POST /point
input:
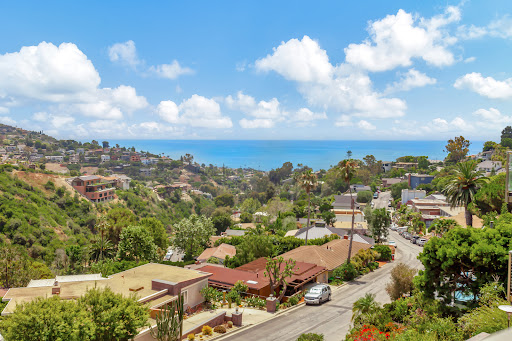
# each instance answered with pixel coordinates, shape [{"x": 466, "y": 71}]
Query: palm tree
[
  {"x": 347, "y": 169},
  {"x": 364, "y": 305},
  {"x": 307, "y": 181},
  {"x": 461, "y": 189}
]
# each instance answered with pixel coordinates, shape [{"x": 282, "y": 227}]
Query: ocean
[{"x": 270, "y": 154}]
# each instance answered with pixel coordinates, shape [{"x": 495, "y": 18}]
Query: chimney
[{"x": 345, "y": 237}]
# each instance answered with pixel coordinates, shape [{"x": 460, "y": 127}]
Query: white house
[
  {"x": 489, "y": 166},
  {"x": 105, "y": 158},
  {"x": 408, "y": 194}
]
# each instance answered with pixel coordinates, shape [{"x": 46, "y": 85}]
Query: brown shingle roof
[
  {"x": 330, "y": 255},
  {"x": 219, "y": 252}
]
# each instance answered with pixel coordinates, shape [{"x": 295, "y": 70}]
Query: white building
[
  {"x": 408, "y": 194},
  {"x": 105, "y": 158}
]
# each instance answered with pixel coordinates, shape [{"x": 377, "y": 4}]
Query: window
[{"x": 185, "y": 296}]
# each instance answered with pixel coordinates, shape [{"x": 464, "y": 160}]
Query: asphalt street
[{"x": 332, "y": 318}]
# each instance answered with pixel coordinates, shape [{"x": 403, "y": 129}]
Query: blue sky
[{"x": 400, "y": 70}]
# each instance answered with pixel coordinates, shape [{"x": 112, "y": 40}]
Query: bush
[
  {"x": 311, "y": 337},
  {"x": 220, "y": 329},
  {"x": 191, "y": 337},
  {"x": 246, "y": 217},
  {"x": 230, "y": 324},
  {"x": 207, "y": 330},
  {"x": 256, "y": 302},
  {"x": 346, "y": 272},
  {"x": 384, "y": 251},
  {"x": 364, "y": 196},
  {"x": 213, "y": 260},
  {"x": 294, "y": 300}
]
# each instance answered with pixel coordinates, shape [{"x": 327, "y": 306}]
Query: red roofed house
[
  {"x": 93, "y": 188},
  {"x": 220, "y": 252}
]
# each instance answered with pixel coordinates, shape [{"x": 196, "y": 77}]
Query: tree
[
  {"x": 506, "y": 133},
  {"x": 396, "y": 189},
  {"x": 278, "y": 270},
  {"x": 491, "y": 196},
  {"x": 307, "y": 181},
  {"x": 457, "y": 148},
  {"x": 105, "y": 144},
  {"x": 192, "y": 235},
  {"x": 441, "y": 226},
  {"x": 423, "y": 162},
  {"x": 464, "y": 259},
  {"x": 118, "y": 218},
  {"x": 48, "y": 319},
  {"x": 401, "y": 281},
  {"x": 169, "y": 321},
  {"x": 225, "y": 200},
  {"x": 489, "y": 145},
  {"x": 329, "y": 217},
  {"x": 364, "y": 196},
  {"x": 14, "y": 266},
  {"x": 136, "y": 244},
  {"x": 250, "y": 205},
  {"x": 245, "y": 217},
  {"x": 364, "y": 305},
  {"x": 464, "y": 185},
  {"x": 378, "y": 224},
  {"x": 157, "y": 230},
  {"x": 506, "y": 142},
  {"x": 115, "y": 317},
  {"x": 276, "y": 206},
  {"x": 346, "y": 171},
  {"x": 252, "y": 247}
]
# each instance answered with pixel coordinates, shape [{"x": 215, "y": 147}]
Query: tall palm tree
[
  {"x": 307, "y": 180},
  {"x": 461, "y": 189},
  {"x": 347, "y": 170}
]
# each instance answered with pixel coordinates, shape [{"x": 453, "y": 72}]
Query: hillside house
[
  {"x": 93, "y": 188},
  {"x": 414, "y": 180}
]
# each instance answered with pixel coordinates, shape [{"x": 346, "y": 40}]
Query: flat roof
[{"x": 139, "y": 277}]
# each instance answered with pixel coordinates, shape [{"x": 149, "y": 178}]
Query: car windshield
[{"x": 315, "y": 290}]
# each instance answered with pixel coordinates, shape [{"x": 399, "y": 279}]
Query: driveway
[{"x": 332, "y": 318}]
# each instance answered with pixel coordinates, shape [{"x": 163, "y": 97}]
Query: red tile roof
[{"x": 228, "y": 277}]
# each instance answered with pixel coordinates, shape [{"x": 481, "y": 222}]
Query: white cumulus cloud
[
  {"x": 196, "y": 111},
  {"x": 365, "y": 125},
  {"x": 411, "y": 79},
  {"x": 170, "y": 71},
  {"x": 397, "y": 39},
  {"x": 264, "y": 114},
  {"x": 298, "y": 60},
  {"x": 485, "y": 86},
  {"x": 124, "y": 53}
]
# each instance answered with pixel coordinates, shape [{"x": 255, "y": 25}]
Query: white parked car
[
  {"x": 421, "y": 241},
  {"x": 392, "y": 243},
  {"x": 318, "y": 294}
]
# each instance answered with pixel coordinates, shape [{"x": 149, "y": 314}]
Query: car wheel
[{"x": 329, "y": 298}]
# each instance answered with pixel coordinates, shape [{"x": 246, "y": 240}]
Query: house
[
  {"x": 135, "y": 158},
  {"x": 56, "y": 158},
  {"x": 220, "y": 252},
  {"x": 489, "y": 166},
  {"x": 414, "y": 180},
  {"x": 10, "y": 149},
  {"x": 3, "y": 151},
  {"x": 359, "y": 188},
  {"x": 80, "y": 150},
  {"x": 344, "y": 201},
  {"x": 145, "y": 171},
  {"x": 105, "y": 158},
  {"x": 386, "y": 166},
  {"x": 121, "y": 181},
  {"x": 408, "y": 194},
  {"x": 314, "y": 232},
  {"x": 93, "y": 188},
  {"x": 405, "y": 165},
  {"x": 330, "y": 255},
  {"x": 153, "y": 284},
  {"x": 387, "y": 182}
]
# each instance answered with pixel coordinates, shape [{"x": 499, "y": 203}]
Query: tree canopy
[
  {"x": 457, "y": 148},
  {"x": 192, "y": 235}
]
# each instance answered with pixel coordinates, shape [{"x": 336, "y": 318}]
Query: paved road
[
  {"x": 382, "y": 201},
  {"x": 332, "y": 318}
]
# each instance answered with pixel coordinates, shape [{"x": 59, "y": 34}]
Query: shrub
[
  {"x": 384, "y": 251},
  {"x": 191, "y": 337},
  {"x": 220, "y": 329},
  {"x": 256, "y": 302},
  {"x": 230, "y": 324},
  {"x": 346, "y": 272},
  {"x": 293, "y": 300},
  {"x": 213, "y": 260},
  {"x": 311, "y": 337},
  {"x": 207, "y": 330}
]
